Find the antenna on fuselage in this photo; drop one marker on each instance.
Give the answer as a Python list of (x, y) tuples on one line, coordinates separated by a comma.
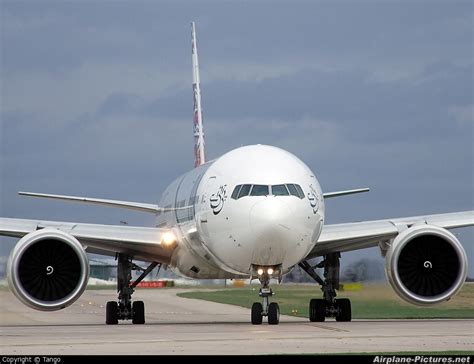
[(199, 155)]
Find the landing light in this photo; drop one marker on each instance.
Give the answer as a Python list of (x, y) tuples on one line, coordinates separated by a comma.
[(259, 271), (168, 239), (270, 271)]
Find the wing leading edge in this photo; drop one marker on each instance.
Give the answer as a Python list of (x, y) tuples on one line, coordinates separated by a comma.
[(361, 235), (344, 193), (137, 206), (141, 242)]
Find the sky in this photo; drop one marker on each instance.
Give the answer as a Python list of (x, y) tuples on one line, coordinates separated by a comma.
[(96, 100)]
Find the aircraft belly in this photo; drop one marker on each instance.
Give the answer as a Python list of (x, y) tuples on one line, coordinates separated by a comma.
[(188, 263)]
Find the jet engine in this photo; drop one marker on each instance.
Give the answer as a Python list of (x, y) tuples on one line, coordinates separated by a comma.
[(426, 265), (48, 270)]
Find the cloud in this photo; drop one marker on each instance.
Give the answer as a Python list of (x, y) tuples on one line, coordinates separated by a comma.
[(464, 115)]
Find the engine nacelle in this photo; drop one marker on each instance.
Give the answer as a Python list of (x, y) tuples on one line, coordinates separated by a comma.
[(48, 270), (426, 265)]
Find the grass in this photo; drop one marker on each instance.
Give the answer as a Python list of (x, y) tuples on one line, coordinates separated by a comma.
[(371, 302), (97, 287)]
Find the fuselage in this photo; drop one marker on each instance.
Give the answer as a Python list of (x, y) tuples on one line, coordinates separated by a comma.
[(255, 206)]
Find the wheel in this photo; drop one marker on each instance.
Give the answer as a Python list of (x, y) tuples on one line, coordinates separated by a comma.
[(317, 310), (257, 310), (138, 310), (345, 312), (273, 314), (111, 313)]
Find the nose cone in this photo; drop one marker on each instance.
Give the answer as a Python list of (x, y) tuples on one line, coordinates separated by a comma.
[(272, 229), (262, 231)]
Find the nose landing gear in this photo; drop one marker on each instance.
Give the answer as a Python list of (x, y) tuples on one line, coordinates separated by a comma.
[(271, 310)]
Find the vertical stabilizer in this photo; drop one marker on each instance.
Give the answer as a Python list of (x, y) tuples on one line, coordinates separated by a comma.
[(199, 156)]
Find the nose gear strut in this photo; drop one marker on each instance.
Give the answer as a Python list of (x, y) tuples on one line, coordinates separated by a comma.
[(271, 310)]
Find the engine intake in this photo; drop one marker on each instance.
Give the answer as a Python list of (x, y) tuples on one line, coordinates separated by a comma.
[(48, 270), (426, 265)]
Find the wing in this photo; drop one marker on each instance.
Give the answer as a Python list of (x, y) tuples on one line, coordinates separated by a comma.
[(137, 206), (140, 242), (344, 193), (360, 235)]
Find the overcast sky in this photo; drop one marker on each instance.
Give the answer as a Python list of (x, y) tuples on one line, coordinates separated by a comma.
[(96, 100)]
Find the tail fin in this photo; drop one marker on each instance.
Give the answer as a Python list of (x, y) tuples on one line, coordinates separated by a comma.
[(199, 155)]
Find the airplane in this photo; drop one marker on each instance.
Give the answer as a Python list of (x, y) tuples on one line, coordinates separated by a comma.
[(255, 212)]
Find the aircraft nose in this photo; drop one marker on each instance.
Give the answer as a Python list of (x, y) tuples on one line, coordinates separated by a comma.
[(270, 223), (271, 211)]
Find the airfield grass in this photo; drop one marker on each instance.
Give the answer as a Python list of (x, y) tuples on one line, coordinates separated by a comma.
[(372, 301)]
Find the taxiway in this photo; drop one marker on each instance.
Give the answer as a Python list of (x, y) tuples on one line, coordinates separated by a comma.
[(177, 325)]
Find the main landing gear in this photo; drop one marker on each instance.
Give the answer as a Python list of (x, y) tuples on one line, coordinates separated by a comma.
[(271, 310), (125, 309), (329, 305)]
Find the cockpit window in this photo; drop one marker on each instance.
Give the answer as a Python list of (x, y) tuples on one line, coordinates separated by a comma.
[(288, 189), (259, 190), (236, 192), (279, 190), (293, 190), (300, 191), (244, 191)]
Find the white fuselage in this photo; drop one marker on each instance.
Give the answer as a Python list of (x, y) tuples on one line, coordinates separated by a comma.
[(275, 221)]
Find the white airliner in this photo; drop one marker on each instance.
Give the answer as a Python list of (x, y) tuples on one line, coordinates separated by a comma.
[(256, 212)]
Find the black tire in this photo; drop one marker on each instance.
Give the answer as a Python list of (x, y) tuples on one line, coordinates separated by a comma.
[(345, 311), (111, 313), (138, 313), (257, 310), (273, 314), (317, 310)]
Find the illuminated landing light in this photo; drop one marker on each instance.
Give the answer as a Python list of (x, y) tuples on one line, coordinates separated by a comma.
[(259, 271), (270, 271), (168, 239)]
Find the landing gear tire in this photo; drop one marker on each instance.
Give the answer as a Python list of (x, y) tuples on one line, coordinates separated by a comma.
[(138, 312), (257, 310), (317, 310), (273, 313), (111, 313), (345, 313)]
